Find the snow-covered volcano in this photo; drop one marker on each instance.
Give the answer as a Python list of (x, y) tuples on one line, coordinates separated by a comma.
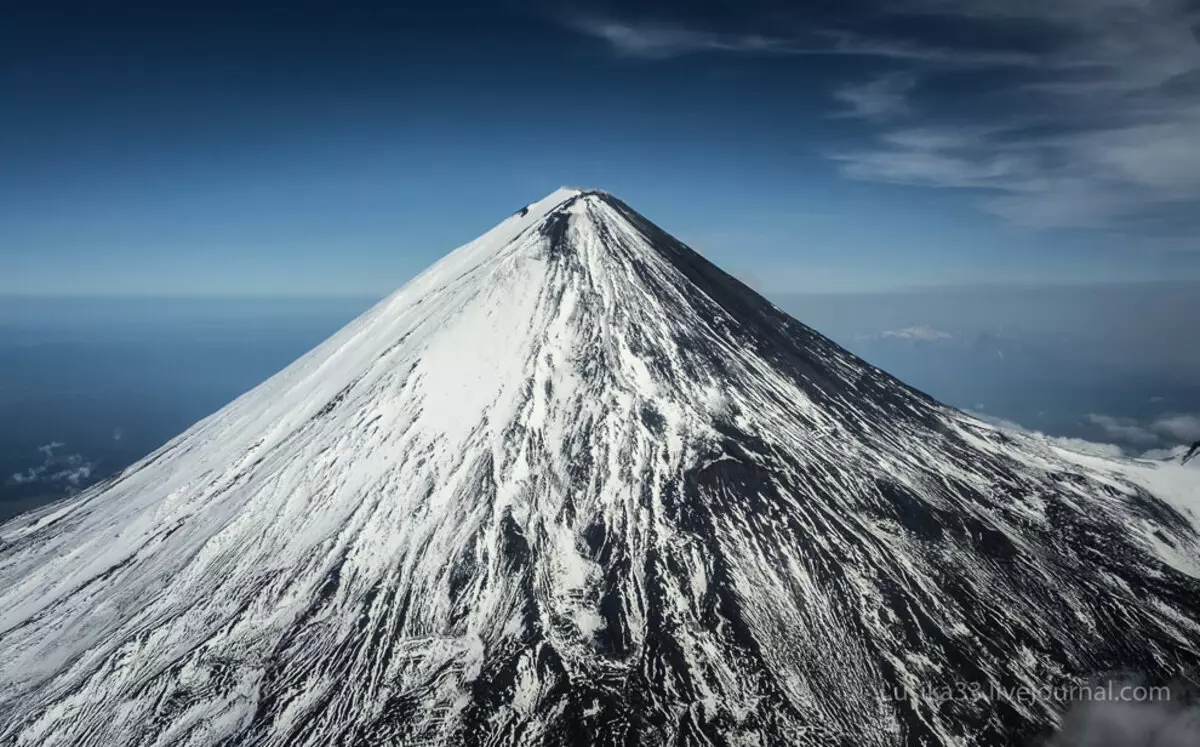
[(576, 485)]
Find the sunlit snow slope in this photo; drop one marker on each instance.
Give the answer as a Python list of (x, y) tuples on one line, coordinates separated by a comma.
[(575, 485)]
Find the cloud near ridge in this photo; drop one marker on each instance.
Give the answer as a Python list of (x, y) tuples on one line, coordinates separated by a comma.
[(1171, 429), (1166, 437)]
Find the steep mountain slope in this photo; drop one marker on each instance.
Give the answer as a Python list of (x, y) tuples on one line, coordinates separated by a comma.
[(575, 485), (1192, 451)]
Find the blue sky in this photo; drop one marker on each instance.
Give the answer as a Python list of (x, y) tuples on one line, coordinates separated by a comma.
[(338, 148)]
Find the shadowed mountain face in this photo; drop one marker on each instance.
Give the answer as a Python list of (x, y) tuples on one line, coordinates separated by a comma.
[(576, 485)]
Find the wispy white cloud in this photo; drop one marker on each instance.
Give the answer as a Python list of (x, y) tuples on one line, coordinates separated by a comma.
[(851, 44), (918, 332), (1095, 178), (938, 158), (73, 475), (56, 468), (1119, 97), (1174, 452), (1170, 429), (1124, 429), (882, 98), (1080, 445), (1181, 426), (1092, 127), (656, 40), (1158, 439), (47, 450)]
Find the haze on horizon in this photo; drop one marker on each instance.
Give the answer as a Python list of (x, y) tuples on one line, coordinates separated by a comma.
[(1017, 182)]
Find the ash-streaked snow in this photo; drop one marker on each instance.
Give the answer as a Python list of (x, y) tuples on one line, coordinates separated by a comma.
[(575, 485)]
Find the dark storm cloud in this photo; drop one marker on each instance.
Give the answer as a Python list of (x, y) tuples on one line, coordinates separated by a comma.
[(1066, 114)]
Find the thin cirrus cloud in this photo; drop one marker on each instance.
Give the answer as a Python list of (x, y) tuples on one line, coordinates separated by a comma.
[(881, 98), (1102, 127), (664, 40), (1092, 127)]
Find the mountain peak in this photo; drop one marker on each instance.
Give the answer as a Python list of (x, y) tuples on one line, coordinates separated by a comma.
[(575, 480), (1192, 452), (556, 200)]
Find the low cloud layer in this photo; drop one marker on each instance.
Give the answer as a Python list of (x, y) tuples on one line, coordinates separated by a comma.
[(1183, 427), (1172, 720), (1080, 445), (56, 468), (1156, 440), (917, 332), (1170, 429)]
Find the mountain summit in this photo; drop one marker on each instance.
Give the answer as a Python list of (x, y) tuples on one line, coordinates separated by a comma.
[(576, 485)]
